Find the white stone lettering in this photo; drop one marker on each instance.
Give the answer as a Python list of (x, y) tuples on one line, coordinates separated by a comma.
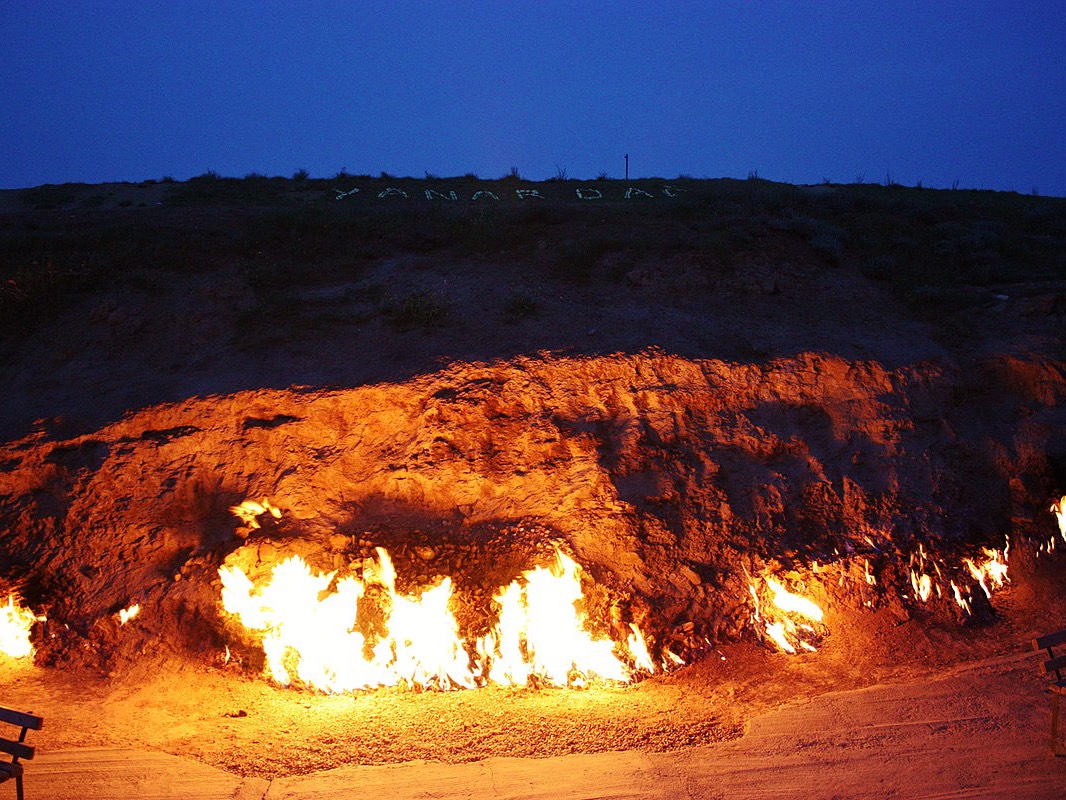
[(583, 193)]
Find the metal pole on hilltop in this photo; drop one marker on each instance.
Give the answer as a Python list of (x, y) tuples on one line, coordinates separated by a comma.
[(627, 166)]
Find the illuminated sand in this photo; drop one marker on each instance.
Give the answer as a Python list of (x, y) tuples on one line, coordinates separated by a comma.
[(982, 726)]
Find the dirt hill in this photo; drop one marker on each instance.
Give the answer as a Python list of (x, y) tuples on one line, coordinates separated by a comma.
[(686, 385)]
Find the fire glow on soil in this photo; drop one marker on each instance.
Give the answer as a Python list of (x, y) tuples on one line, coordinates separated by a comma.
[(358, 632), (708, 506), (340, 634)]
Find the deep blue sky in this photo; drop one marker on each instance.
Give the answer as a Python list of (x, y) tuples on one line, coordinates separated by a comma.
[(973, 92)]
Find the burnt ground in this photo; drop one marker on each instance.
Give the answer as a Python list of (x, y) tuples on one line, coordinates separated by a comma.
[(728, 379)]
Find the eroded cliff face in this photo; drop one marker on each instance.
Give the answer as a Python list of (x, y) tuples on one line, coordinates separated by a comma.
[(673, 482)]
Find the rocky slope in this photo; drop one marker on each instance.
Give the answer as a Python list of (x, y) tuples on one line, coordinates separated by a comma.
[(733, 379)]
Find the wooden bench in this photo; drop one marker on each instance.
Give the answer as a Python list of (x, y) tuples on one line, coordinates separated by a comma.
[(1055, 665), (17, 749)]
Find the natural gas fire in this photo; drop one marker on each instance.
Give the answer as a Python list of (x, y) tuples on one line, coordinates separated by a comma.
[(339, 633), (543, 637), (126, 614), (991, 572), (790, 622), (1059, 510), (794, 603), (249, 512), (794, 623), (921, 581), (358, 632), (988, 570), (15, 624)]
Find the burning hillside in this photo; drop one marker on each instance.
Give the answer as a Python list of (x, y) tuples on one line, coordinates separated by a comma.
[(669, 505), (407, 477)]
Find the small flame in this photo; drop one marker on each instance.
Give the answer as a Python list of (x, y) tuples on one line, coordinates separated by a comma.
[(991, 572), (15, 624), (776, 632), (922, 585), (249, 512), (871, 580), (1059, 510), (126, 614), (314, 631), (794, 603), (782, 628), (921, 581), (963, 602)]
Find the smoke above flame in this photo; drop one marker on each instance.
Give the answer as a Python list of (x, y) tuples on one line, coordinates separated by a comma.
[(359, 632)]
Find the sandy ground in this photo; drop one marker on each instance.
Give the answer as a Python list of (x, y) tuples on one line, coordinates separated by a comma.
[(978, 731), (908, 710)]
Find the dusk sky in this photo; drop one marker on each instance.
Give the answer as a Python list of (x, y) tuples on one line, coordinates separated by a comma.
[(938, 92)]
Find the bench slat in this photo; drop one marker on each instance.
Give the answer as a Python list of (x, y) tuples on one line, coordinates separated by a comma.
[(1054, 664), (9, 771), (1050, 640), (22, 720), (17, 749)]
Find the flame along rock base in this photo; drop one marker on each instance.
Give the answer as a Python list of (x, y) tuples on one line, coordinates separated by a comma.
[(339, 633), (673, 483)]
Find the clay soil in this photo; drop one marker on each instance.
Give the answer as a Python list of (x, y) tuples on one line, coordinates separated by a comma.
[(731, 381), (243, 725)]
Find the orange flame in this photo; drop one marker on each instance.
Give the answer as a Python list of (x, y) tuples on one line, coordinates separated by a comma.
[(922, 585), (963, 602), (1059, 510), (782, 628), (921, 580), (249, 512), (990, 573), (126, 614), (542, 636), (871, 579), (794, 603), (312, 631), (15, 624)]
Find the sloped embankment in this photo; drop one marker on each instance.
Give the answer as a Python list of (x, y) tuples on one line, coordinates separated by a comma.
[(672, 481)]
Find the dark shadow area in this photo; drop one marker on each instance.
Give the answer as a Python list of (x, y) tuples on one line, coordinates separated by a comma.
[(218, 285)]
